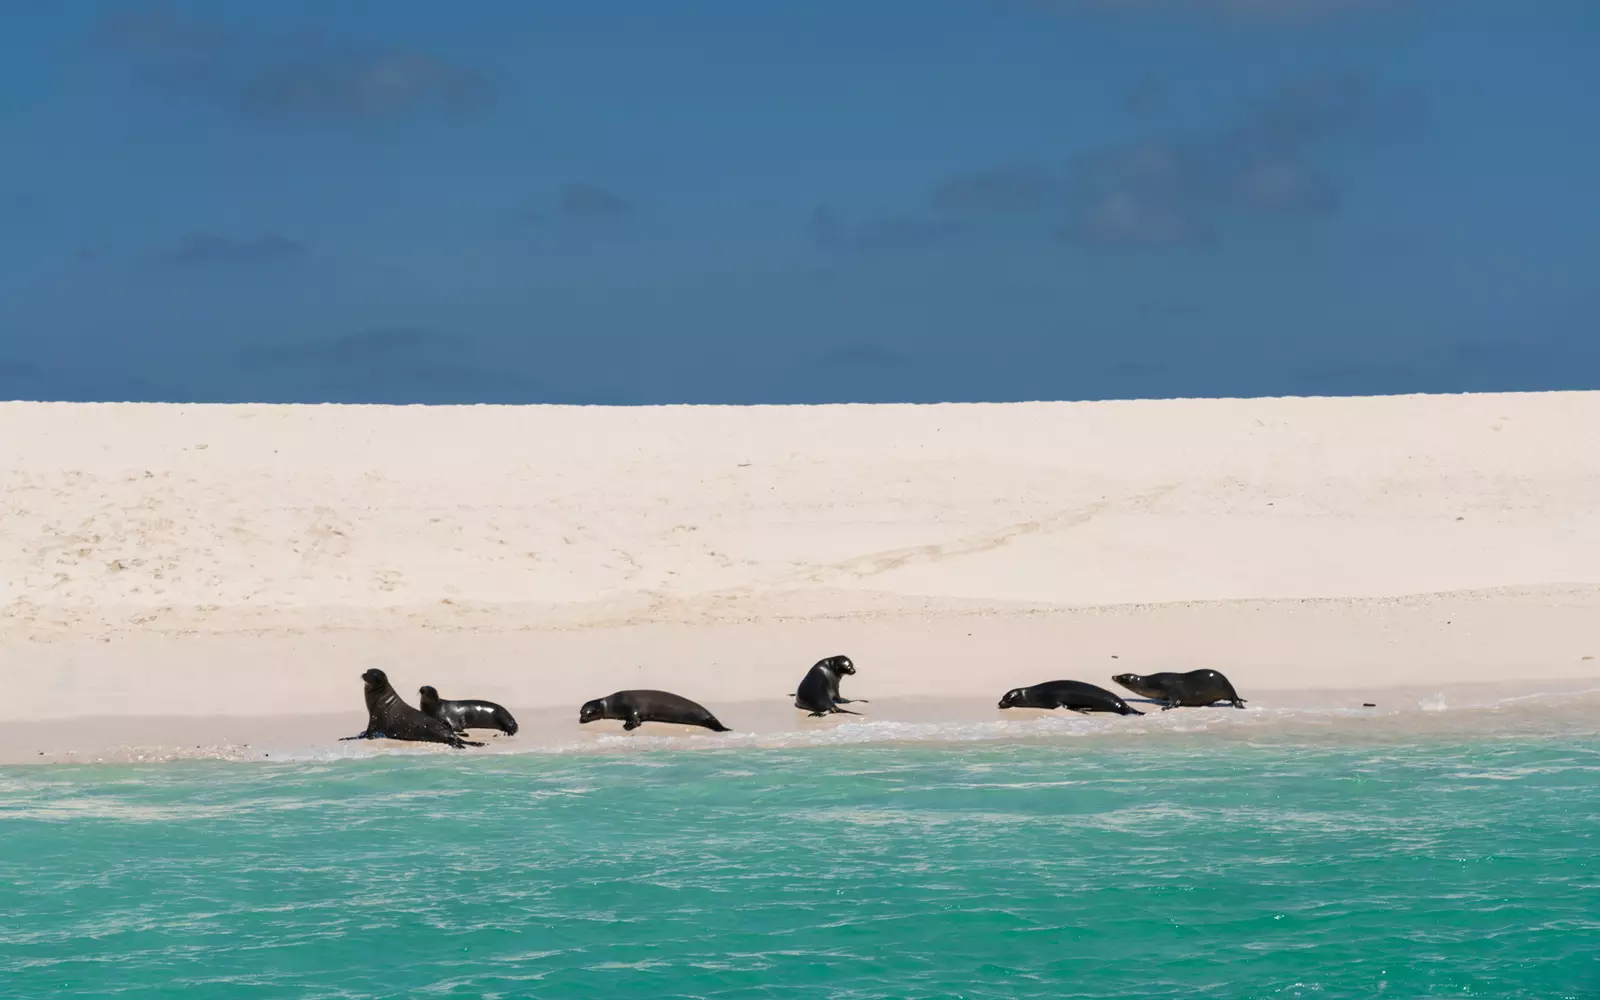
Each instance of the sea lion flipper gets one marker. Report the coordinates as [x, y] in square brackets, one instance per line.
[634, 722]
[844, 711]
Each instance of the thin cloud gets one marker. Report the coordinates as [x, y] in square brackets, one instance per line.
[1284, 185]
[580, 202]
[171, 51]
[883, 235]
[302, 79]
[1003, 191]
[1242, 10]
[203, 248]
[365, 347]
[1146, 97]
[1179, 190]
[1151, 193]
[1358, 378]
[1123, 218]
[394, 365]
[902, 233]
[1311, 109]
[864, 356]
[160, 33]
[362, 85]
[825, 228]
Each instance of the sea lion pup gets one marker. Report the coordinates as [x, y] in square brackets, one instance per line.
[466, 714]
[1195, 689]
[819, 689]
[1074, 695]
[635, 708]
[389, 718]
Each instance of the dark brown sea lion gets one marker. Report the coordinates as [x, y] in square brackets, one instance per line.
[466, 714]
[1074, 695]
[389, 718]
[819, 689]
[1194, 689]
[635, 708]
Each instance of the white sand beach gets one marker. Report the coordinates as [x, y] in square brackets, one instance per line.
[185, 579]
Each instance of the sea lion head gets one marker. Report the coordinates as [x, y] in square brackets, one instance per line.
[375, 678]
[592, 710]
[1013, 698]
[427, 694]
[1135, 683]
[840, 665]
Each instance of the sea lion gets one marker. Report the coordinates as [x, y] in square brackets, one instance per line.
[466, 714]
[1074, 695]
[819, 689]
[389, 718]
[1195, 689]
[635, 708]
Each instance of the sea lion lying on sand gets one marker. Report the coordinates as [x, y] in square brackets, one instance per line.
[635, 708]
[1074, 695]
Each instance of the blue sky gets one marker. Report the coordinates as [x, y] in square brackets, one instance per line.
[738, 201]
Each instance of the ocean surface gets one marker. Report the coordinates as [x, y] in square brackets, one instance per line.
[1179, 865]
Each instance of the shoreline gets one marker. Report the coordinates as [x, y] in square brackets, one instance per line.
[1535, 708]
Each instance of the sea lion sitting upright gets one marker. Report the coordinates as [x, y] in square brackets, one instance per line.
[819, 689]
[1195, 689]
[466, 714]
[1074, 695]
[389, 718]
[635, 708]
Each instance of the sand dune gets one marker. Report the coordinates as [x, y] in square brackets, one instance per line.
[175, 559]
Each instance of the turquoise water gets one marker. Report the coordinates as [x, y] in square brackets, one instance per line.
[1175, 868]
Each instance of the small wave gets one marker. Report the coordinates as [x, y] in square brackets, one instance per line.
[551, 793]
[114, 810]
